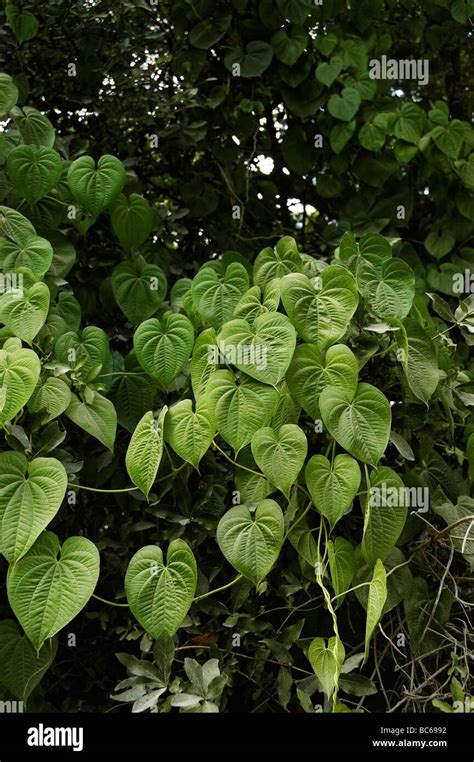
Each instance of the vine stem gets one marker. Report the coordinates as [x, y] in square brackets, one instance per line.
[234, 462]
[110, 603]
[127, 489]
[218, 589]
[250, 470]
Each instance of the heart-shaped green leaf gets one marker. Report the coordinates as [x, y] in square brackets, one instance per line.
[280, 454]
[35, 253]
[96, 189]
[241, 406]
[84, 351]
[255, 302]
[251, 63]
[46, 591]
[14, 225]
[327, 72]
[289, 47]
[419, 359]
[251, 541]
[34, 170]
[263, 351]
[346, 105]
[52, 396]
[333, 486]
[216, 293]
[160, 595]
[163, 348]
[440, 242]
[389, 284]
[310, 372]
[450, 139]
[19, 373]
[22, 667]
[362, 426]
[24, 313]
[132, 220]
[30, 497]
[145, 450]
[139, 289]
[320, 317]
[375, 604]
[190, 433]
[97, 417]
[276, 262]
[8, 94]
[35, 128]
[385, 513]
[326, 661]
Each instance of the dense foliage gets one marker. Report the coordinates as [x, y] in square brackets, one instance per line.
[238, 444]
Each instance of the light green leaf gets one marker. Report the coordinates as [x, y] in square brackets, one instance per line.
[326, 661]
[145, 449]
[328, 71]
[241, 406]
[139, 289]
[14, 225]
[322, 316]
[203, 361]
[19, 373]
[22, 667]
[344, 106]
[251, 542]
[398, 581]
[388, 284]
[46, 591]
[377, 598]
[25, 313]
[419, 359]
[84, 351]
[251, 487]
[280, 454]
[190, 433]
[341, 565]
[53, 396]
[216, 294]
[98, 418]
[96, 188]
[385, 514]
[311, 371]
[264, 350]
[34, 253]
[132, 220]
[34, 171]
[333, 486]
[276, 262]
[8, 94]
[35, 128]
[164, 347]
[160, 595]
[362, 426]
[30, 497]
